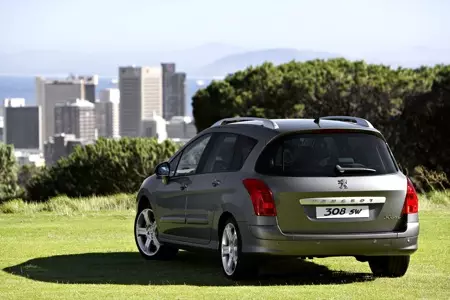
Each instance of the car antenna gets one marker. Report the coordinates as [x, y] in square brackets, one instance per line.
[317, 120]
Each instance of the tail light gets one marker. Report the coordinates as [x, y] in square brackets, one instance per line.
[411, 205]
[262, 197]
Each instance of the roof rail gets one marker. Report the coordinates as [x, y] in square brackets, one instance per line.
[265, 122]
[356, 120]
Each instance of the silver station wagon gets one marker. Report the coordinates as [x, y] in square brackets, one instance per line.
[254, 189]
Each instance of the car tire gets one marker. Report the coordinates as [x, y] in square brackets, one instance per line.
[389, 266]
[146, 237]
[236, 265]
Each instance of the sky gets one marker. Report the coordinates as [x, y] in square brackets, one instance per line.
[346, 26]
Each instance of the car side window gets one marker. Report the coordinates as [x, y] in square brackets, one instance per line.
[228, 153]
[190, 158]
[174, 164]
[244, 147]
[220, 158]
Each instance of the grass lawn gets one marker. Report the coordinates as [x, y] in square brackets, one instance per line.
[93, 256]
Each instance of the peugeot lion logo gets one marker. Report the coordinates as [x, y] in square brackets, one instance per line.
[343, 184]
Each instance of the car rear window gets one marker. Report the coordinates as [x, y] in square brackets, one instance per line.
[324, 154]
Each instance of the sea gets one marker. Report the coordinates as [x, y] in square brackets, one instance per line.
[24, 87]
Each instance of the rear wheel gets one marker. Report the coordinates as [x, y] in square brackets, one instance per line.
[389, 266]
[235, 264]
[146, 237]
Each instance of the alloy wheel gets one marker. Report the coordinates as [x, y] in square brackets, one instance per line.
[147, 233]
[229, 249]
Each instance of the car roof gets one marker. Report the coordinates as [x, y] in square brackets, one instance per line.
[310, 124]
[267, 129]
[288, 125]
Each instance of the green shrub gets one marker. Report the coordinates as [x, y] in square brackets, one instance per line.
[104, 168]
[8, 173]
[27, 172]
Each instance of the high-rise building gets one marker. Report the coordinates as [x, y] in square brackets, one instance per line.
[177, 98]
[76, 117]
[181, 128]
[168, 69]
[107, 113]
[155, 128]
[14, 102]
[50, 92]
[1, 128]
[140, 97]
[22, 127]
[90, 85]
[11, 102]
[174, 91]
[61, 145]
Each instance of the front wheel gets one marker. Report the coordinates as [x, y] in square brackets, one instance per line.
[235, 264]
[146, 237]
[389, 266]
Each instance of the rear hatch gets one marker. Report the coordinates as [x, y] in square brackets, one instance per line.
[334, 182]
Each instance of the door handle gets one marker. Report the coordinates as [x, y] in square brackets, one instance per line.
[216, 182]
[183, 187]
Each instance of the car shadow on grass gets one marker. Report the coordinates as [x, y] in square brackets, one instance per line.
[130, 268]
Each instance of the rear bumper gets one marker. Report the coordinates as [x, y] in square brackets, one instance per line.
[263, 239]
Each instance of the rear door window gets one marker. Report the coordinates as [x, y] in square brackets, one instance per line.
[228, 153]
[324, 154]
[221, 156]
[243, 149]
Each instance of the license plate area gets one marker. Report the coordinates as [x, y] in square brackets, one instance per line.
[342, 212]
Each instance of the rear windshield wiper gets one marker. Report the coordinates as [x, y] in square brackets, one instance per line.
[356, 169]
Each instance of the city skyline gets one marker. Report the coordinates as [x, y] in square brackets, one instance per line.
[71, 111]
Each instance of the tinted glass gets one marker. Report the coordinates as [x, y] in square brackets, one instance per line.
[228, 153]
[191, 156]
[317, 155]
[174, 164]
[220, 158]
[244, 148]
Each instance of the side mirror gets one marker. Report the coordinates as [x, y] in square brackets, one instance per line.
[163, 171]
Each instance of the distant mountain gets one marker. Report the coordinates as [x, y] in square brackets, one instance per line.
[232, 63]
[107, 63]
[205, 61]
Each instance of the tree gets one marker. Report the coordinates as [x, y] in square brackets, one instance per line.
[218, 94]
[403, 103]
[8, 172]
[423, 134]
[311, 89]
